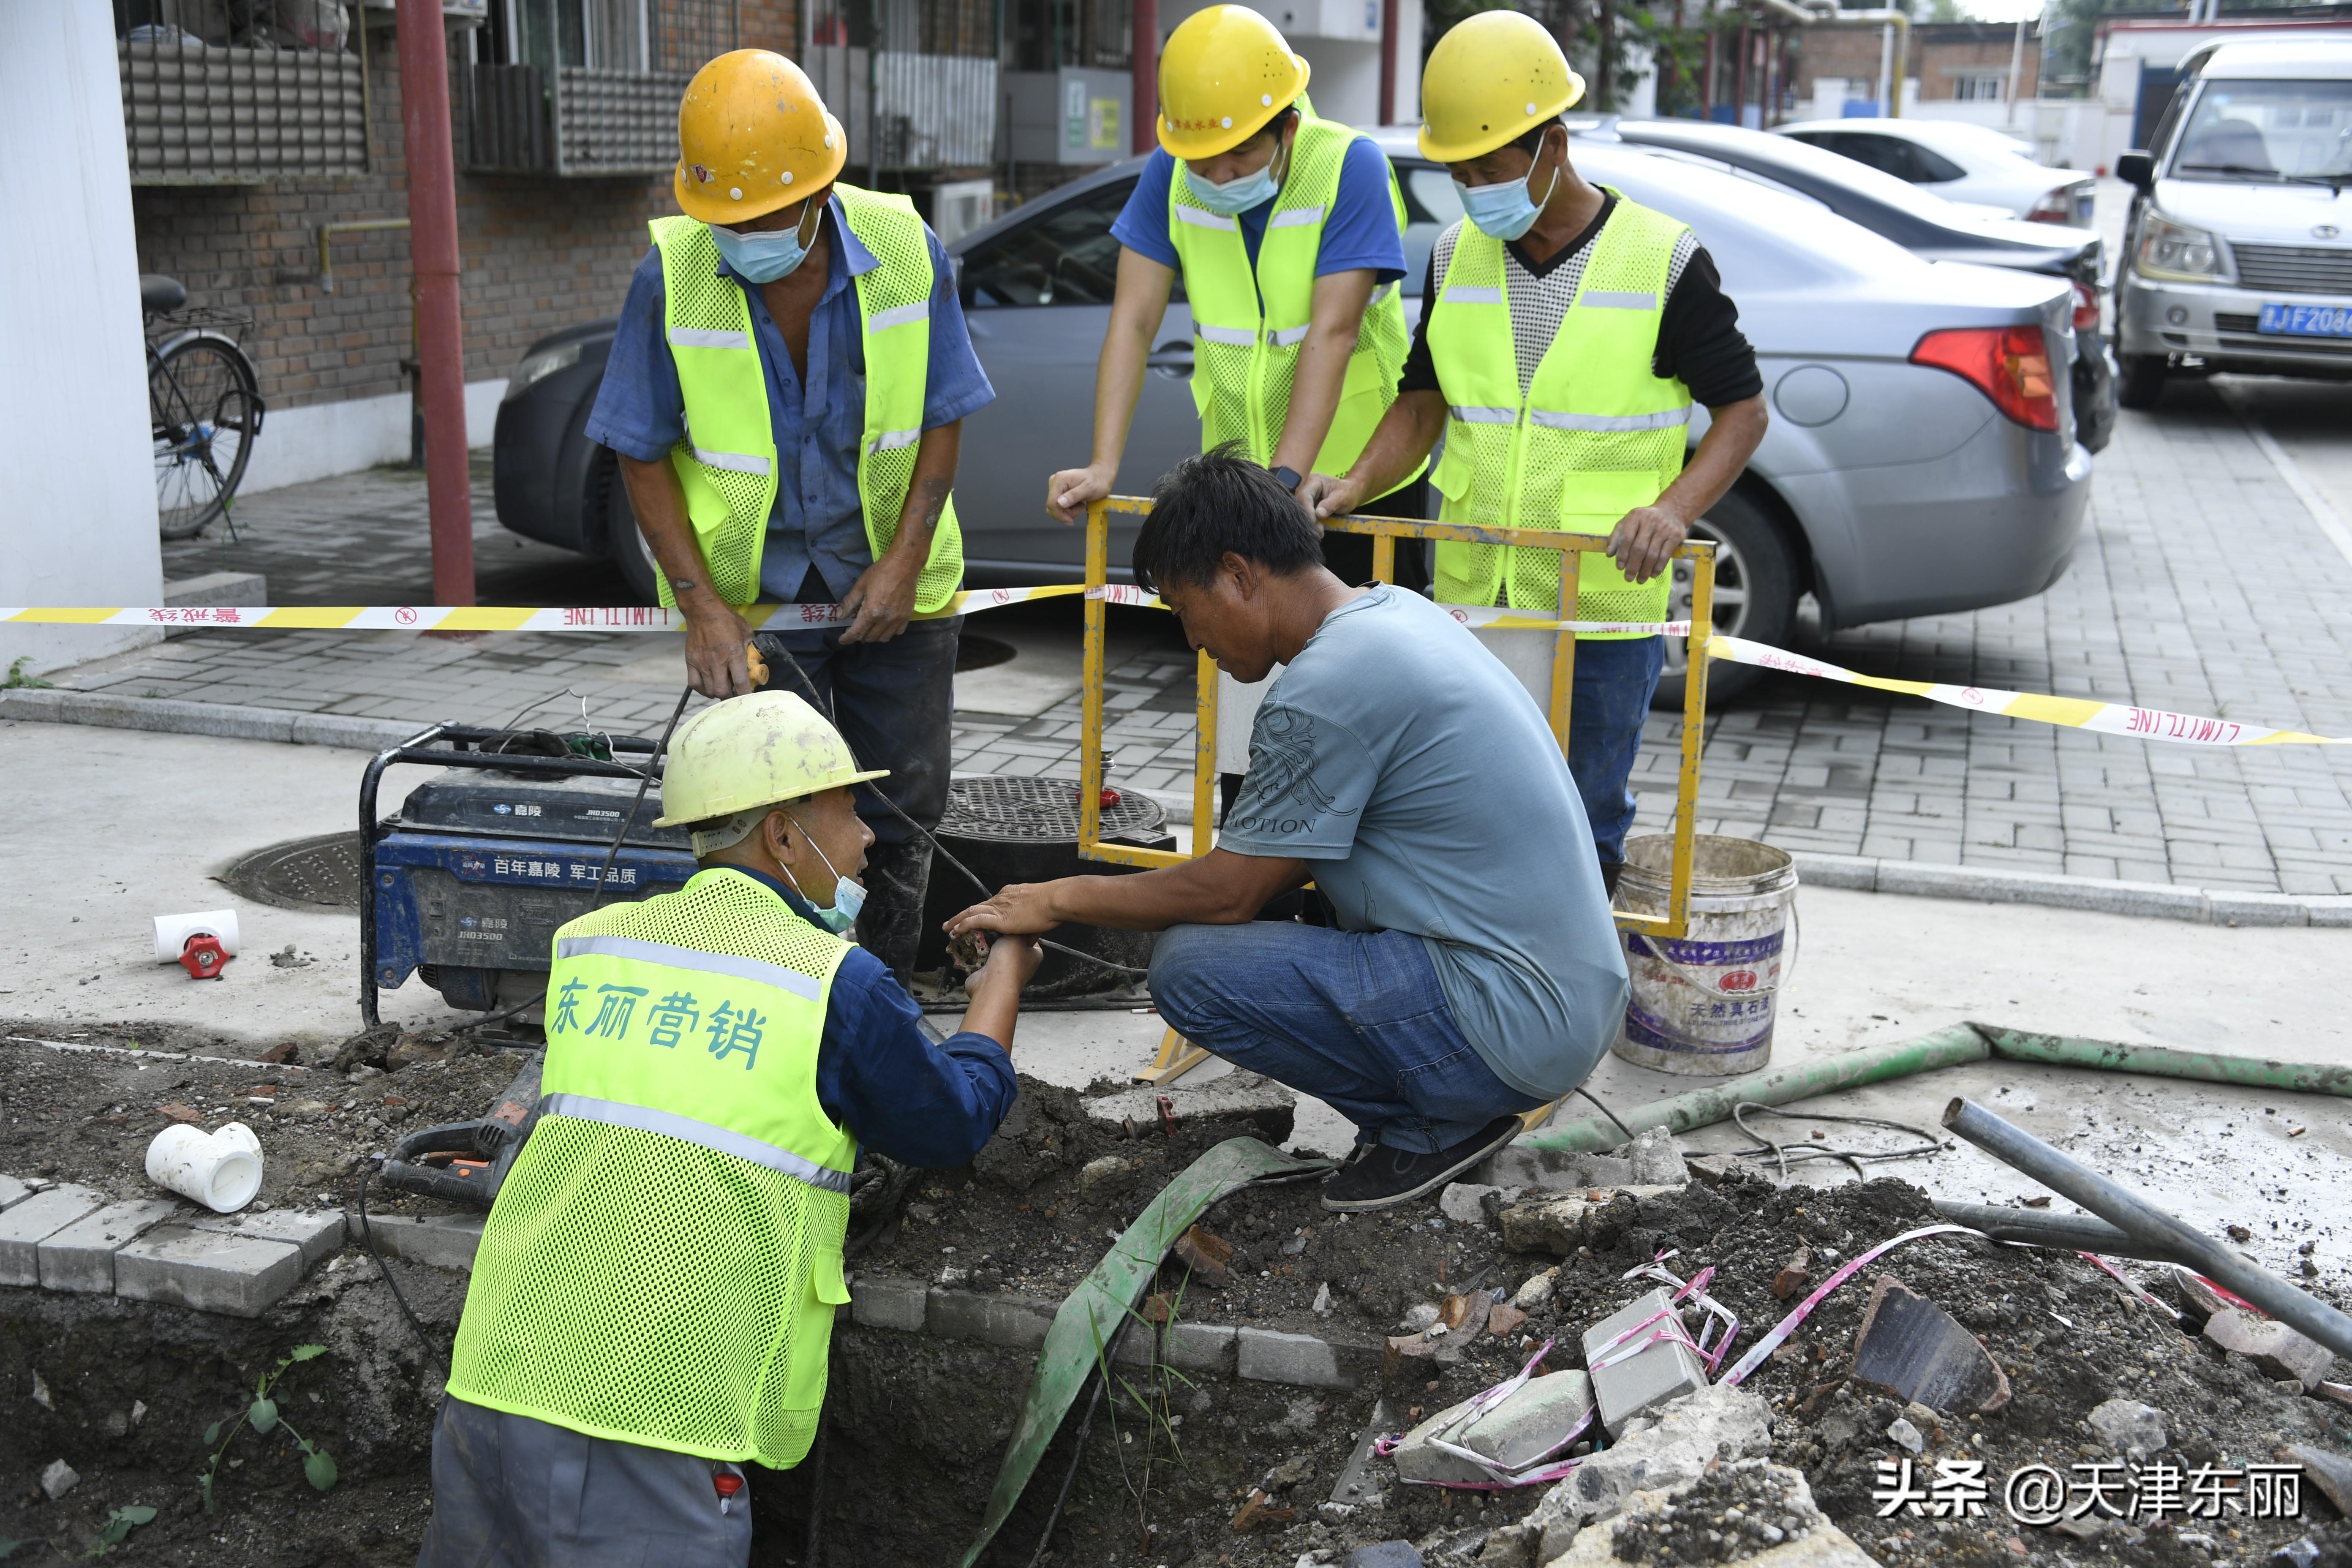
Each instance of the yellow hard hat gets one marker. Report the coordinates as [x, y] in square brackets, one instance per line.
[752, 136]
[761, 749]
[1492, 79]
[1224, 74]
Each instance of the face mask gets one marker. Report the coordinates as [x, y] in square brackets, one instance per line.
[848, 898]
[1504, 211]
[1236, 195]
[762, 257]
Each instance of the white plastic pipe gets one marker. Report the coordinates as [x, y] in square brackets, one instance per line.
[173, 932]
[219, 1170]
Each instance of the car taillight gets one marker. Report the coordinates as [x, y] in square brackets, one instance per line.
[2086, 306]
[2009, 364]
[2054, 206]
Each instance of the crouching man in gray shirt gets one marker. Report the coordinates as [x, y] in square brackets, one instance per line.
[1475, 972]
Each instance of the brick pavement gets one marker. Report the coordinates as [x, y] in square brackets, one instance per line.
[2200, 585]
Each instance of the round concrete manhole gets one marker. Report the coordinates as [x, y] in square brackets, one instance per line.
[317, 874]
[976, 652]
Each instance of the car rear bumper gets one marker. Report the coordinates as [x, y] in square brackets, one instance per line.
[2217, 323]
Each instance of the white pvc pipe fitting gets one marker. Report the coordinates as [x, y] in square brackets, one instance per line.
[173, 932]
[219, 1170]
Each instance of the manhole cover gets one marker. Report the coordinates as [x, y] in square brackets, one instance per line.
[322, 873]
[976, 652]
[1013, 809]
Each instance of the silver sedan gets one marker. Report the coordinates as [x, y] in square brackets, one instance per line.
[1920, 459]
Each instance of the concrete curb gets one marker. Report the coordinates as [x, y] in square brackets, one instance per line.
[64, 1237]
[2153, 900]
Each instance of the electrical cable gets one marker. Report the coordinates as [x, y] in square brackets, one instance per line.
[1606, 1112]
[367, 1233]
[1928, 1142]
[1078, 1448]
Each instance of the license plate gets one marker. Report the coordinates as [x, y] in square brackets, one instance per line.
[2308, 321]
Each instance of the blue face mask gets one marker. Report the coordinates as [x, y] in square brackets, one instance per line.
[762, 257]
[848, 898]
[1237, 195]
[1506, 211]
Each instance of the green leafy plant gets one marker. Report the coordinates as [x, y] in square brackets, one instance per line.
[18, 681]
[118, 1528]
[1152, 1398]
[263, 1417]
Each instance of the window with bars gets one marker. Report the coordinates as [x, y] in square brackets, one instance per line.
[1980, 87]
[914, 82]
[241, 91]
[586, 86]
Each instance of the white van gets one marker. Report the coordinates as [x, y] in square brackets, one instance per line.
[2237, 252]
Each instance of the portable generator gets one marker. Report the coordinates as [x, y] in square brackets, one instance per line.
[466, 883]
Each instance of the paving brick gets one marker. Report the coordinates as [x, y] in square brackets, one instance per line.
[879, 1302]
[81, 1255]
[1303, 1361]
[12, 1193]
[446, 1241]
[319, 1234]
[239, 1276]
[1665, 1370]
[1009, 1320]
[32, 1221]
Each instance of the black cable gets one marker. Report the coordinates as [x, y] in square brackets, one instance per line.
[936, 847]
[367, 1233]
[1606, 1112]
[1078, 1448]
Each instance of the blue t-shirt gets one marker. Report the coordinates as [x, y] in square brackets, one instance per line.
[1421, 786]
[1360, 231]
[818, 520]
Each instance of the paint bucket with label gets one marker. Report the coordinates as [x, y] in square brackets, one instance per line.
[1704, 1003]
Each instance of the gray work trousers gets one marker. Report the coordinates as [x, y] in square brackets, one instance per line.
[512, 1492]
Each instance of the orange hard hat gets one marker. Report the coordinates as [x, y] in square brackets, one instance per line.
[752, 136]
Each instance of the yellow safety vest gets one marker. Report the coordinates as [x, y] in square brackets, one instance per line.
[727, 462]
[1596, 434]
[1247, 324]
[663, 1262]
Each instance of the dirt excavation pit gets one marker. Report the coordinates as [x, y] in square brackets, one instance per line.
[918, 1424]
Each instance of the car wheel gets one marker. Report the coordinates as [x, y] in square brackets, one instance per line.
[2139, 381]
[624, 543]
[1755, 597]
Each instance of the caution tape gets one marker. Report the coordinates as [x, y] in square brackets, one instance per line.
[2069, 712]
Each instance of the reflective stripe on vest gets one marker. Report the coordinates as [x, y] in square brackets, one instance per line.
[727, 469]
[1248, 323]
[685, 1129]
[1595, 434]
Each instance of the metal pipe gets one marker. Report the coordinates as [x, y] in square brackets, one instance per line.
[2067, 1232]
[327, 231]
[1143, 64]
[2021, 1150]
[434, 265]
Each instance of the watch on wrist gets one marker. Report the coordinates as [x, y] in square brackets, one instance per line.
[1290, 478]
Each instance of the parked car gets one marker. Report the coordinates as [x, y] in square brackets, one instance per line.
[2238, 248]
[1922, 224]
[1920, 459]
[1959, 163]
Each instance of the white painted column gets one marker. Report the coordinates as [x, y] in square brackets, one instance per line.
[78, 513]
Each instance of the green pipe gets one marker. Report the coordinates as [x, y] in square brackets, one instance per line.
[1954, 1047]
[1778, 1086]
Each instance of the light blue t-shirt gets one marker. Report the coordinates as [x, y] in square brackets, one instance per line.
[1421, 784]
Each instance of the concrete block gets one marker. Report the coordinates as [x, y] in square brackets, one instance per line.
[12, 1193]
[879, 1302]
[442, 1241]
[1665, 1370]
[239, 1276]
[1302, 1360]
[1417, 1459]
[2257, 908]
[81, 1255]
[1240, 1094]
[1193, 1349]
[1818, 1544]
[1007, 1321]
[1558, 1224]
[1858, 873]
[25, 1226]
[2329, 911]
[1459, 1202]
[1533, 1422]
[319, 1233]
[2274, 1348]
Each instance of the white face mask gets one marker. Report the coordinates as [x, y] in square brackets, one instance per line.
[1242, 193]
[848, 898]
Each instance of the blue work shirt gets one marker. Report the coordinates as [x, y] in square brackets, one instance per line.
[878, 1074]
[818, 520]
[1360, 231]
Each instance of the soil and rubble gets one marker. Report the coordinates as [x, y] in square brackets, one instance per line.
[120, 1393]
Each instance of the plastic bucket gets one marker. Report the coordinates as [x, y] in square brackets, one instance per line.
[1704, 1005]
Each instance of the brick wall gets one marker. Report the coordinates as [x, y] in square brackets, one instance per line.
[538, 253]
[1940, 53]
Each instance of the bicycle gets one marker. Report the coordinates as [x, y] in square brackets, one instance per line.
[206, 404]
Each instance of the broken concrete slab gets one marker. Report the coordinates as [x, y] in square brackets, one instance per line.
[1814, 1544]
[24, 1228]
[1912, 1349]
[2130, 1428]
[1651, 1159]
[1242, 1094]
[1535, 1290]
[1384, 1554]
[1663, 1369]
[1355, 1488]
[320, 1234]
[81, 1255]
[240, 1276]
[1460, 1202]
[12, 1193]
[2277, 1350]
[1667, 1449]
[1559, 1223]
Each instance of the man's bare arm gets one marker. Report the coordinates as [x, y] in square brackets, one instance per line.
[1402, 439]
[715, 634]
[1220, 888]
[1335, 318]
[883, 598]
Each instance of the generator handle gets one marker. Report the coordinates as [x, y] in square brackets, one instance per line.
[368, 1014]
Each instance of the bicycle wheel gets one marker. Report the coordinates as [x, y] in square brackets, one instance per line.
[206, 411]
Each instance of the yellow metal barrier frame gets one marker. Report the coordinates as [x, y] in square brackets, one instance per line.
[1176, 1056]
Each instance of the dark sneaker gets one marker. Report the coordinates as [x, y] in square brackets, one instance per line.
[1377, 1176]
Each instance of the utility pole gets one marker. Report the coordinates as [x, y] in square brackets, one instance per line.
[1144, 59]
[433, 264]
[2016, 67]
[1388, 61]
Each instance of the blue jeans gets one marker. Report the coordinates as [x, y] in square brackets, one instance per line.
[1614, 682]
[1356, 1019]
